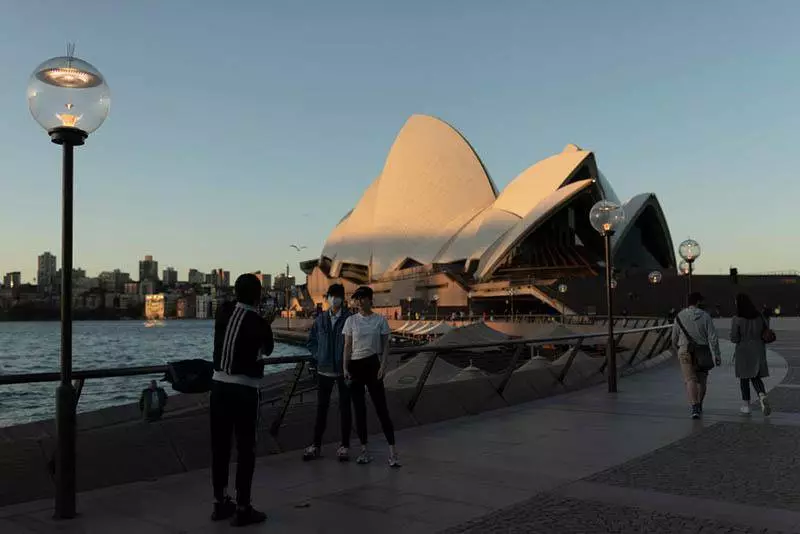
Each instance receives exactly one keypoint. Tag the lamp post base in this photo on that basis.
(65, 452)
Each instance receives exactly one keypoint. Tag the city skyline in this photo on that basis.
(705, 119)
(175, 275)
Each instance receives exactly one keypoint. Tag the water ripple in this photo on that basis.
(28, 347)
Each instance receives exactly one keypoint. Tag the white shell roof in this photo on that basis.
(633, 209)
(432, 185)
(434, 202)
(532, 219)
(539, 181)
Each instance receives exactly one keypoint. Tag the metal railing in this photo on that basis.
(500, 360)
(296, 385)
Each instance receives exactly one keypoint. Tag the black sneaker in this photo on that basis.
(247, 516)
(696, 411)
(223, 510)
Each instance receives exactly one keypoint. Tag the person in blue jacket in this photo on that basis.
(326, 343)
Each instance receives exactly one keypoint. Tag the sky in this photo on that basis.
(239, 128)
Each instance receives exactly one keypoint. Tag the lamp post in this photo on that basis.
(470, 295)
(511, 293)
(436, 306)
(654, 278)
(605, 217)
(689, 251)
(562, 288)
(408, 299)
(70, 99)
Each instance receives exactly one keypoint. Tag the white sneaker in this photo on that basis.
(745, 409)
(766, 409)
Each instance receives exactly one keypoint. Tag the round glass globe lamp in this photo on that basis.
(436, 298)
(606, 217)
(683, 267)
(613, 283)
(689, 250)
(67, 92)
(654, 277)
(562, 288)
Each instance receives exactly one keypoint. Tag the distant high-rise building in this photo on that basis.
(46, 272)
(170, 277)
(12, 280)
(114, 280)
(196, 277)
(282, 282)
(210, 278)
(222, 278)
(266, 281)
(148, 269)
(77, 275)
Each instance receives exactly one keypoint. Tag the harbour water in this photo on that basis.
(30, 347)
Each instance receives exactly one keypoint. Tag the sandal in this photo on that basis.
(311, 453)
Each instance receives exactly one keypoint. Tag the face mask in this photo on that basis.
(334, 302)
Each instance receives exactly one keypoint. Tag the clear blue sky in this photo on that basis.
(238, 128)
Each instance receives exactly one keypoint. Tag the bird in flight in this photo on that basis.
(298, 248)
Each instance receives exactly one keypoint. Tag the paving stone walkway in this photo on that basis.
(584, 462)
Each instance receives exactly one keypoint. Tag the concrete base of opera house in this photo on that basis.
(116, 447)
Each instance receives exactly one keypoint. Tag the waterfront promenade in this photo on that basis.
(581, 462)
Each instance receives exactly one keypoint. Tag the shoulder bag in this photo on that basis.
(702, 359)
(767, 334)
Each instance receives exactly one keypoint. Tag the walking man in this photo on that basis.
(326, 344)
(241, 337)
(696, 341)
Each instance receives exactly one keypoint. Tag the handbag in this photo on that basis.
(190, 376)
(702, 359)
(767, 334)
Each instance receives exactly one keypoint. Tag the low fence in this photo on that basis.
(424, 384)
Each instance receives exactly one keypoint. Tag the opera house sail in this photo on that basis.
(433, 223)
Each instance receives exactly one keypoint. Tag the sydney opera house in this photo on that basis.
(432, 227)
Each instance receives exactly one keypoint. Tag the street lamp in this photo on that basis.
(654, 277)
(606, 217)
(683, 268)
(470, 296)
(562, 288)
(689, 251)
(436, 306)
(511, 293)
(408, 299)
(70, 99)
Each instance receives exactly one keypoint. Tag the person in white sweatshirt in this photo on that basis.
(693, 327)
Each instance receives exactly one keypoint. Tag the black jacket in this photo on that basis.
(240, 334)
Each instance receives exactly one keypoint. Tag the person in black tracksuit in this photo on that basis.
(241, 336)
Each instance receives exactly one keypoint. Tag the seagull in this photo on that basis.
(298, 248)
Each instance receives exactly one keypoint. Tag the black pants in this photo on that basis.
(364, 374)
(325, 388)
(758, 385)
(234, 410)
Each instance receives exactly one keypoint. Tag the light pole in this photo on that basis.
(605, 217)
(436, 306)
(70, 99)
(562, 288)
(470, 295)
(408, 300)
(689, 251)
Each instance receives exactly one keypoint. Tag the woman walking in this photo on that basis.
(366, 348)
(750, 355)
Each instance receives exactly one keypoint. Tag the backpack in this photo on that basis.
(190, 376)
